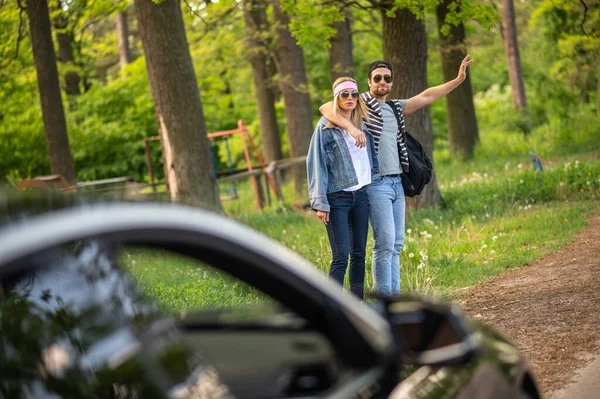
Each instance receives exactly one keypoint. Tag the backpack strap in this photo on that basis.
(401, 136)
(399, 115)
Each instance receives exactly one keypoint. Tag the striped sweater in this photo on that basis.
(375, 126)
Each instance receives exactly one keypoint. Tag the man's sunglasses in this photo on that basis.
(387, 78)
(345, 94)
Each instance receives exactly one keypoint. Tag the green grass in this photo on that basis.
(499, 214)
(177, 282)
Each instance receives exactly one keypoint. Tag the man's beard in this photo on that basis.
(380, 91)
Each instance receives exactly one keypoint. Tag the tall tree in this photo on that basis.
(64, 37)
(294, 86)
(340, 53)
(174, 87)
(405, 47)
(463, 134)
(125, 56)
(257, 35)
(55, 126)
(511, 47)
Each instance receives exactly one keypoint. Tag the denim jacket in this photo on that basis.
(329, 164)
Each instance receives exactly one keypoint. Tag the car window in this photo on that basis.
(198, 290)
(73, 324)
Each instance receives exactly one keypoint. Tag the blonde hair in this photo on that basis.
(358, 114)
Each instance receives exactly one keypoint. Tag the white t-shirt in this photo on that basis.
(360, 161)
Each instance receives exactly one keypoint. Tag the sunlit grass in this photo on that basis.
(496, 216)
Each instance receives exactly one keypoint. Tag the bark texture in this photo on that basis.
(55, 126)
(511, 47)
(294, 86)
(185, 146)
(340, 54)
(65, 56)
(64, 37)
(257, 34)
(123, 39)
(463, 133)
(405, 47)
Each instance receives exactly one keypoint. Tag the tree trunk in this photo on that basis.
(294, 86)
(511, 47)
(598, 90)
(177, 104)
(405, 47)
(463, 134)
(257, 33)
(340, 53)
(123, 40)
(65, 56)
(55, 126)
(64, 37)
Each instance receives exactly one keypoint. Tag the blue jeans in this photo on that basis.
(347, 231)
(386, 212)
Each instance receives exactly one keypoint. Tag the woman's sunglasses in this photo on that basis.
(345, 94)
(387, 78)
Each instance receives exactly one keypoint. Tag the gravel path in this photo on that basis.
(550, 309)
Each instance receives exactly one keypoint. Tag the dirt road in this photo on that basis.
(550, 309)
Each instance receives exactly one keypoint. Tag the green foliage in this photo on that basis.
(464, 11)
(107, 128)
(109, 125)
(571, 33)
(312, 21)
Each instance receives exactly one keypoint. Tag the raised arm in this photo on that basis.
(432, 94)
(327, 111)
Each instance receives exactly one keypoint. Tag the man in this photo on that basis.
(385, 194)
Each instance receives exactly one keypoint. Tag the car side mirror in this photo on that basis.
(430, 333)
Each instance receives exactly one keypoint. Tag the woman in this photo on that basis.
(338, 171)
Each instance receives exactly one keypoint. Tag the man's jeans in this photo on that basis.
(347, 231)
(386, 212)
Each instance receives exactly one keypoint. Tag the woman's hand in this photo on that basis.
(361, 139)
(323, 216)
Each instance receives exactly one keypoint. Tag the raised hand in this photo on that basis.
(462, 71)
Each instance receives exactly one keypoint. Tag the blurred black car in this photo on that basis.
(77, 320)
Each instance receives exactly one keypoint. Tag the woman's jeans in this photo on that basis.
(386, 212)
(347, 231)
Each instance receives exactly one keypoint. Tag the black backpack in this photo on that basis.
(420, 168)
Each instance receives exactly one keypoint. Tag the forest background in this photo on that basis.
(110, 109)
(533, 88)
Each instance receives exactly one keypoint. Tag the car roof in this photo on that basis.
(31, 234)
